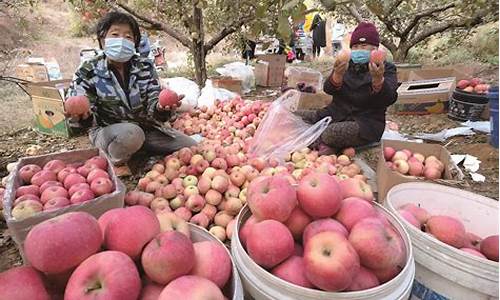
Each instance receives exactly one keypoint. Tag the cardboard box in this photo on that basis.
(403, 71)
(308, 76)
(314, 101)
(424, 96)
(387, 178)
(32, 72)
(19, 228)
(48, 107)
(228, 83)
(269, 70)
(434, 73)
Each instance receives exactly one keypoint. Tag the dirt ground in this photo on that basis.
(16, 134)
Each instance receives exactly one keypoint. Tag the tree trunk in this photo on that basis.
(399, 56)
(199, 57)
(198, 47)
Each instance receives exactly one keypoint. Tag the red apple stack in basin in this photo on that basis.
(57, 184)
(348, 244)
(451, 231)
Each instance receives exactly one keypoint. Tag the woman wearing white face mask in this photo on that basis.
(361, 90)
(123, 90)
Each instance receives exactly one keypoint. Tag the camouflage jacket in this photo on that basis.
(110, 103)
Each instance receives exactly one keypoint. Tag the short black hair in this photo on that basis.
(113, 18)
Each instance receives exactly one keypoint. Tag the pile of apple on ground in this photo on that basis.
(127, 254)
(57, 184)
(323, 234)
(207, 184)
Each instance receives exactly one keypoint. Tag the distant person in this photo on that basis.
(361, 92)
(249, 49)
(123, 89)
(318, 27)
(144, 45)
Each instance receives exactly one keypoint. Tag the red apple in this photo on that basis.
(22, 283)
(462, 84)
(79, 186)
(365, 279)
(212, 262)
(77, 105)
(352, 187)
(330, 262)
(28, 189)
(24, 198)
(26, 172)
(81, 196)
(489, 247)
(99, 161)
(271, 198)
(101, 186)
(56, 203)
(128, 229)
(96, 173)
(352, 210)
(52, 192)
(73, 179)
(191, 287)
(319, 195)
(61, 175)
(79, 233)
(297, 222)
(168, 256)
(269, 243)
(54, 165)
(47, 184)
(105, 275)
(378, 245)
(322, 225)
(43, 176)
(293, 271)
(168, 98)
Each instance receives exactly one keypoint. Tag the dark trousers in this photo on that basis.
(120, 141)
(316, 50)
(338, 135)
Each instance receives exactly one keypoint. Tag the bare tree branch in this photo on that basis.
(170, 30)
(475, 20)
(423, 14)
(394, 6)
(227, 31)
(354, 12)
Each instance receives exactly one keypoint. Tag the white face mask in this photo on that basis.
(119, 49)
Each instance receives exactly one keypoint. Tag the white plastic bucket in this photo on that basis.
(443, 271)
(234, 287)
(261, 284)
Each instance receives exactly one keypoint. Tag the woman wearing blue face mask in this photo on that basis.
(361, 90)
(123, 89)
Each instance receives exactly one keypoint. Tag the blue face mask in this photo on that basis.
(119, 49)
(360, 56)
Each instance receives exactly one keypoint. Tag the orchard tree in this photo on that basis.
(200, 25)
(404, 24)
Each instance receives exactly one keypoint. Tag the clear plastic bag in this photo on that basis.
(240, 71)
(210, 93)
(308, 76)
(183, 86)
(282, 132)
